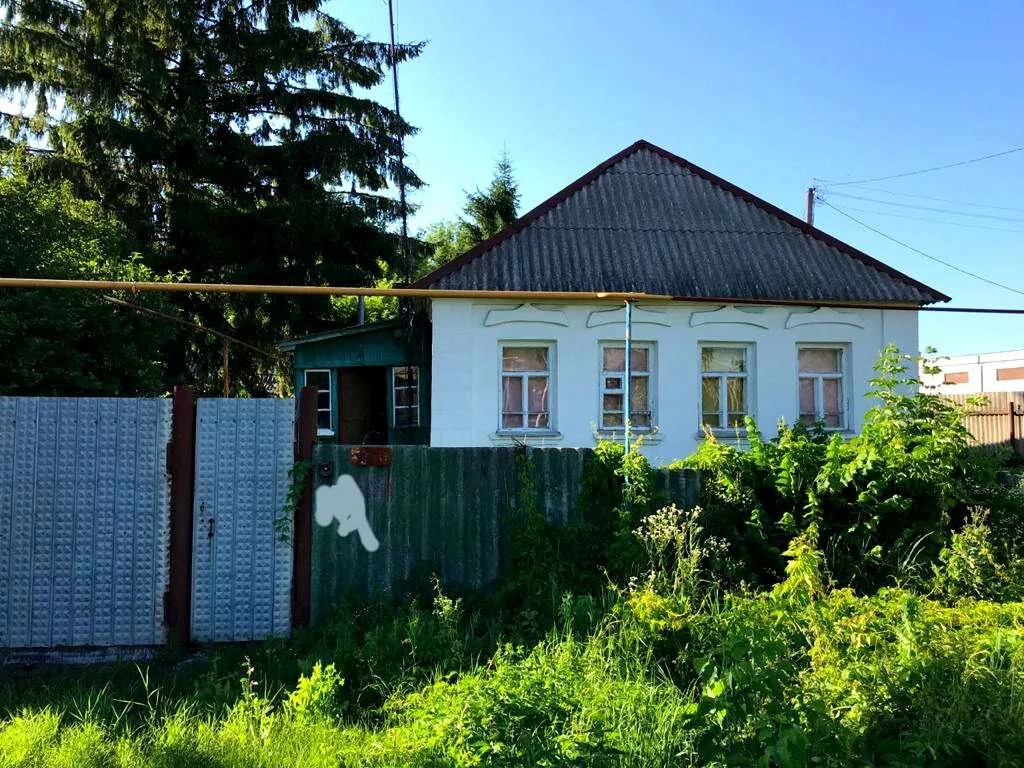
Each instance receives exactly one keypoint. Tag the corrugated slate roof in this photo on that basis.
(648, 221)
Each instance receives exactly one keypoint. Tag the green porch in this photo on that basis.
(373, 381)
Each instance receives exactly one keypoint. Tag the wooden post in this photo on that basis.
(227, 381)
(302, 532)
(1013, 426)
(181, 464)
(810, 205)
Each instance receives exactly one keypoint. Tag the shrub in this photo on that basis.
(316, 696)
(972, 565)
(891, 493)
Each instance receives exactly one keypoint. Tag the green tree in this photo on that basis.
(72, 342)
(234, 138)
(485, 214)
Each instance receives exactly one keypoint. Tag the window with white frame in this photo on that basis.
(725, 384)
(526, 386)
(321, 379)
(822, 385)
(613, 386)
(405, 390)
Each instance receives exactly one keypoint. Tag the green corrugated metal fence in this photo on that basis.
(440, 511)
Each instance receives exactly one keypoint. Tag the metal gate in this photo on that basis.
(83, 521)
(241, 565)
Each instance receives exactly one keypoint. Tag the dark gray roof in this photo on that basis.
(650, 222)
(352, 330)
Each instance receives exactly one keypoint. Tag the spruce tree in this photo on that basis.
(485, 214)
(234, 138)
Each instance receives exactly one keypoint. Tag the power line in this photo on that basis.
(942, 200)
(933, 209)
(922, 253)
(934, 221)
(924, 170)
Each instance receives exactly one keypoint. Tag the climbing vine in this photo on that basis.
(298, 481)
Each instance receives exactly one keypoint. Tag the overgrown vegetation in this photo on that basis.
(884, 501)
(833, 603)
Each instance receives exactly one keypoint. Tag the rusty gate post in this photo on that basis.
(181, 464)
(302, 532)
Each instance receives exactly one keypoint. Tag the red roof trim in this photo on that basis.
(561, 196)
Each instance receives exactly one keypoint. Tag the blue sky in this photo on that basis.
(767, 95)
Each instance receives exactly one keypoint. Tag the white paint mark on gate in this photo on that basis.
(344, 502)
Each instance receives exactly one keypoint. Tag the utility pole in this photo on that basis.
(811, 191)
(401, 151)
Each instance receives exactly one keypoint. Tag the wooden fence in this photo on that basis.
(999, 423)
(435, 511)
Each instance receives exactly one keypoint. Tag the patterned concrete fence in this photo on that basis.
(241, 567)
(433, 510)
(133, 522)
(83, 521)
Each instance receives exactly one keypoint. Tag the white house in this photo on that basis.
(972, 374)
(753, 312)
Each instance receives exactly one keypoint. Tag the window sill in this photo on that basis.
(724, 435)
(512, 437)
(325, 432)
(653, 436)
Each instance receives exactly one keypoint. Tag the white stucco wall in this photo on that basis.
(988, 372)
(466, 361)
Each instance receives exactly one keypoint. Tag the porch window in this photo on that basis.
(405, 390)
(822, 387)
(321, 379)
(613, 387)
(526, 387)
(725, 384)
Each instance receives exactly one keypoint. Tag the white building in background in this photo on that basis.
(970, 374)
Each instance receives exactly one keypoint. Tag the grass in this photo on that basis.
(648, 676)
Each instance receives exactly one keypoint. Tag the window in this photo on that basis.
(612, 386)
(822, 390)
(1009, 374)
(405, 389)
(958, 377)
(526, 387)
(724, 398)
(322, 381)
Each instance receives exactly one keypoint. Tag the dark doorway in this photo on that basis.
(363, 403)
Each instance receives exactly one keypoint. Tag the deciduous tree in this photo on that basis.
(72, 342)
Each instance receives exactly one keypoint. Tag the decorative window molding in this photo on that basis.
(405, 396)
(823, 385)
(730, 315)
(727, 381)
(526, 387)
(321, 379)
(617, 316)
(612, 389)
(824, 316)
(526, 313)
